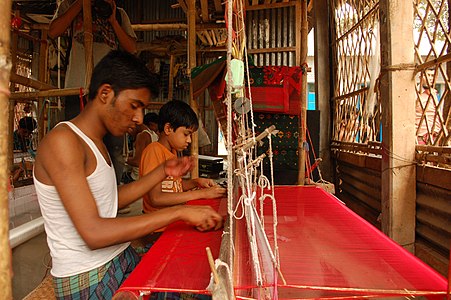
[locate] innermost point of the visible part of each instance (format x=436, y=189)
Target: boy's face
x=180, y=138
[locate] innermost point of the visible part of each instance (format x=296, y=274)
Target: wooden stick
x=43, y=94
x=36, y=84
x=88, y=41
x=211, y=261
x=5, y=71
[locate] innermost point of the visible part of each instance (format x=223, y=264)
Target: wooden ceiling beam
x=204, y=9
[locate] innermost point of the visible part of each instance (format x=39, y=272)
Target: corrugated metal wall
x=433, y=217
x=358, y=184
x=271, y=28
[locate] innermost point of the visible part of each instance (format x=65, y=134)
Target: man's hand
x=213, y=192
x=178, y=167
x=202, y=217
x=112, y=18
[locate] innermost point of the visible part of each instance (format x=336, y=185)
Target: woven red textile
x=178, y=260
x=326, y=250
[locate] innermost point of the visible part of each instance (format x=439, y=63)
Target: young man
x=176, y=122
x=77, y=192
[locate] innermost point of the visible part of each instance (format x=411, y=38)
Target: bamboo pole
x=303, y=96
x=43, y=65
x=11, y=106
x=191, y=64
x=5, y=70
x=29, y=82
x=87, y=25
x=47, y=93
x=171, y=78
x=159, y=27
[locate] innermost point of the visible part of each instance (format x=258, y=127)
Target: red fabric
x=178, y=260
x=276, y=89
x=325, y=247
x=326, y=250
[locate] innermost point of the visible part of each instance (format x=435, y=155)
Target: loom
x=326, y=251
x=279, y=242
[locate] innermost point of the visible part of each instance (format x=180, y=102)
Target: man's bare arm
x=59, y=25
x=62, y=158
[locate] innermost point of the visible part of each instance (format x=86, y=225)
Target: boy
x=77, y=193
x=177, y=121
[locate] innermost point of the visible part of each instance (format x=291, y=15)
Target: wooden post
x=171, y=78
x=447, y=103
x=301, y=12
x=191, y=64
x=398, y=122
x=322, y=83
x=87, y=25
x=12, y=104
x=5, y=70
x=42, y=75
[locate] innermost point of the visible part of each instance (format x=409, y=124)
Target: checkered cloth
x=100, y=283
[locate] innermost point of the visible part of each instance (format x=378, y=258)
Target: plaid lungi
x=100, y=283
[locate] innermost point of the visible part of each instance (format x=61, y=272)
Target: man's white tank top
x=70, y=254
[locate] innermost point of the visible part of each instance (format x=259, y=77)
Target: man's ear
x=167, y=128
x=104, y=92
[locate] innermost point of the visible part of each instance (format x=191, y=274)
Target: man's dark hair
x=150, y=118
x=177, y=113
x=28, y=123
x=122, y=71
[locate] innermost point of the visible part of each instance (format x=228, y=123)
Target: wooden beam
x=303, y=97
x=270, y=6
x=322, y=84
x=42, y=76
x=204, y=9
x=5, y=71
x=174, y=26
x=192, y=64
x=43, y=94
x=30, y=82
x=271, y=50
x=88, y=41
x=171, y=77
x=183, y=5
x=12, y=87
x=218, y=6
x=159, y=27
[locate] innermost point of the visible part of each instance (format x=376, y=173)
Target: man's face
x=427, y=79
x=126, y=110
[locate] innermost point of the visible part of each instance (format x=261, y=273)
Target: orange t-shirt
x=154, y=155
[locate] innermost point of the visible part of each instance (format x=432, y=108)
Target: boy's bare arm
x=131, y=192
x=61, y=160
x=159, y=199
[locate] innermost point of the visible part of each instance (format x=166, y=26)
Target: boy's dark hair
x=28, y=123
x=150, y=118
x=177, y=113
x=122, y=71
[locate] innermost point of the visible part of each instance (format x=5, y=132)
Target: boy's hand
x=178, y=167
x=204, y=182
x=202, y=217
